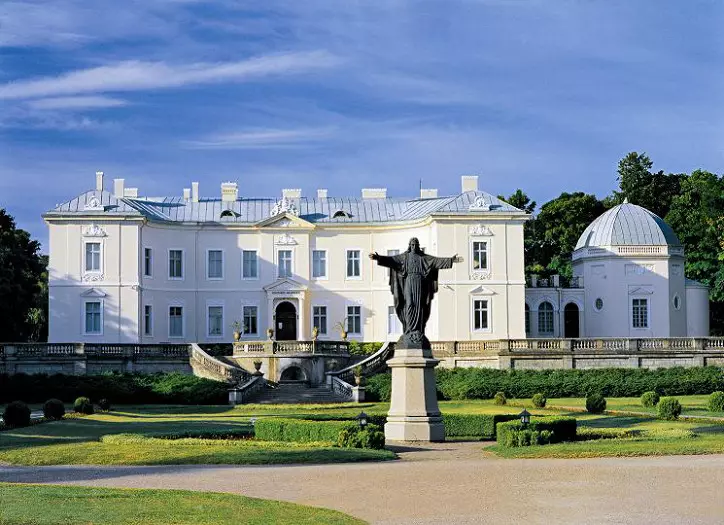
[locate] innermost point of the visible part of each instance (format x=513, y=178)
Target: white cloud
x=261, y=138
x=72, y=103
x=138, y=75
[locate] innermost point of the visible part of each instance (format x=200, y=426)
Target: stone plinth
x=414, y=413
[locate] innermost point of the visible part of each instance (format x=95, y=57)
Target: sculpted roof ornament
x=93, y=204
x=479, y=204
x=284, y=206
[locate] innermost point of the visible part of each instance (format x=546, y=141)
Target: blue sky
x=546, y=96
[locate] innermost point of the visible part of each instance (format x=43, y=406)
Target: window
x=93, y=317
x=393, y=322
x=676, y=301
x=527, y=318
x=251, y=317
x=215, y=264
x=480, y=255
x=598, y=305
x=175, y=321
x=353, y=263
x=175, y=264
x=480, y=314
x=284, y=263
x=147, y=262
x=354, y=319
x=640, y=313
x=147, y=320
x=216, y=321
x=319, y=319
x=545, y=318
x=92, y=257
x=319, y=264
x=249, y=267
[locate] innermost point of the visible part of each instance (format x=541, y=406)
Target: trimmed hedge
x=300, y=430
x=715, y=403
x=500, y=398
x=16, y=415
x=539, y=431
x=171, y=388
x=595, y=403
x=650, y=399
x=54, y=409
x=474, y=425
x=539, y=400
x=378, y=387
x=83, y=405
x=668, y=408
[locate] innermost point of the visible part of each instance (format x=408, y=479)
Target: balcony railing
x=291, y=347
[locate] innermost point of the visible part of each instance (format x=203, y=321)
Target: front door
x=571, y=321
x=286, y=322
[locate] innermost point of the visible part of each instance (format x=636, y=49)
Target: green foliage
x=595, y=403
x=540, y=431
x=653, y=191
x=16, y=415
x=378, y=387
x=593, y=433
x=122, y=388
x=104, y=404
x=539, y=400
x=715, y=403
x=371, y=437
x=474, y=425
x=301, y=431
x=500, y=398
x=668, y=408
x=83, y=405
x=357, y=348
x=649, y=399
x=54, y=409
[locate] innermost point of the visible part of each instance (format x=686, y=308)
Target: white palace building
x=131, y=269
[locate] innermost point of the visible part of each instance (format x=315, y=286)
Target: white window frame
x=648, y=313
x=99, y=270
x=489, y=308
x=553, y=314
x=256, y=265
x=148, y=326
x=487, y=243
x=361, y=319
x=148, y=270
x=208, y=266
x=346, y=265
x=183, y=320
x=84, y=325
x=392, y=314
x=258, y=319
x=209, y=306
x=326, y=318
x=183, y=264
x=326, y=267
x=291, y=263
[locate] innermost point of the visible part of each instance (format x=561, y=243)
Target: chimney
x=187, y=194
x=99, y=181
x=322, y=194
x=470, y=183
x=118, y=187
x=288, y=193
x=428, y=193
x=131, y=193
x=374, y=193
x=229, y=191
x=194, y=192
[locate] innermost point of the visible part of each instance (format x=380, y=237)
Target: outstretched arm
x=442, y=263
x=388, y=261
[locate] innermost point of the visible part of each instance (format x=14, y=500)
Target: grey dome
x=628, y=225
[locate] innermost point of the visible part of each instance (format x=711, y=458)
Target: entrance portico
x=286, y=306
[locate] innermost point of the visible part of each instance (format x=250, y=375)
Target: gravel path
x=451, y=483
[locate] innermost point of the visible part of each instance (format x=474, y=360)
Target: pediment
x=481, y=290
x=285, y=220
x=94, y=292
x=285, y=286
x=640, y=290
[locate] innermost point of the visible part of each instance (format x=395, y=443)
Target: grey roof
x=691, y=283
x=251, y=210
x=628, y=225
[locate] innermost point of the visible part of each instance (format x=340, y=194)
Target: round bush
x=104, y=405
x=17, y=414
x=539, y=400
x=669, y=408
x=716, y=401
x=595, y=403
x=650, y=399
x=500, y=398
x=83, y=405
x=54, y=409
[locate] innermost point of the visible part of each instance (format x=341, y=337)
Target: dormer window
x=341, y=213
x=229, y=213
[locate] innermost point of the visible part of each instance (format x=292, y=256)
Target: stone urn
x=257, y=367
x=237, y=336
x=315, y=333
x=343, y=335
x=270, y=333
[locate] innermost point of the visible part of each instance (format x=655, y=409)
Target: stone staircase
x=294, y=393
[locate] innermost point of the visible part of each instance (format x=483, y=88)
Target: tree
x=653, y=191
x=22, y=274
x=520, y=200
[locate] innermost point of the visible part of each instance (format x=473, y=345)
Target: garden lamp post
x=524, y=417
x=362, y=419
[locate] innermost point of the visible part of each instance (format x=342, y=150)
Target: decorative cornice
x=94, y=231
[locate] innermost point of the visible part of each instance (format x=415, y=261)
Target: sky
x=540, y=95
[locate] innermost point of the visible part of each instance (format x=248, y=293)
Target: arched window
x=545, y=318
x=527, y=318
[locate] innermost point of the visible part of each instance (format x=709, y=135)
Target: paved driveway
x=451, y=483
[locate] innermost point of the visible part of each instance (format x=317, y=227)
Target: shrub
x=473, y=425
x=716, y=401
x=104, y=405
x=83, y=405
x=500, y=398
x=299, y=430
x=365, y=349
x=539, y=400
x=54, y=409
x=540, y=431
x=370, y=437
x=595, y=403
x=378, y=387
x=16, y=415
x=669, y=408
x=650, y=399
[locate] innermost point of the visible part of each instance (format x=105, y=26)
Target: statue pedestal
x=414, y=413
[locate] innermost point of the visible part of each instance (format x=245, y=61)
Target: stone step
x=296, y=393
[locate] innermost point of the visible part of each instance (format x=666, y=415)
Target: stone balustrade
x=242, y=348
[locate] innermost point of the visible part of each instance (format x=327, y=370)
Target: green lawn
x=51, y=504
